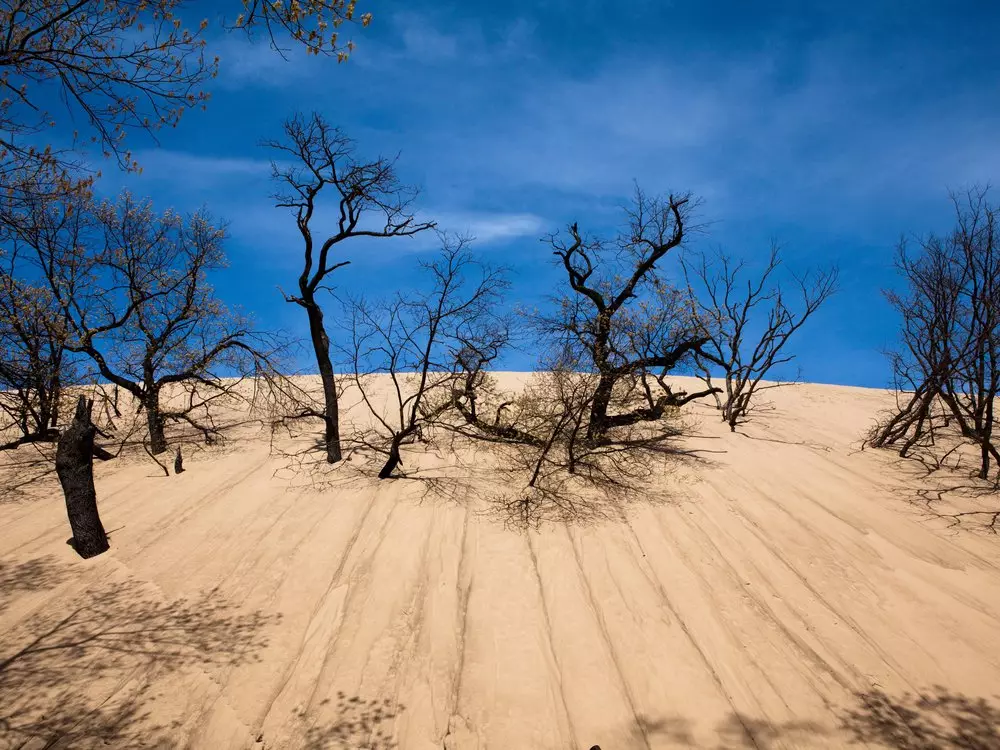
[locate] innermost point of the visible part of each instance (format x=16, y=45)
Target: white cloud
x=254, y=62
x=488, y=228
x=428, y=39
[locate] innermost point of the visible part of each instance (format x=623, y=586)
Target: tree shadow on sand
x=40, y=574
x=931, y=720
x=360, y=725
x=27, y=473
x=88, y=669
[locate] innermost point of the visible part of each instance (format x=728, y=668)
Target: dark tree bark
x=392, y=462
x=323, y=157
x=621, y=320
x=154, y=420
x=75, y=468
x=331, y=412
x=950, y=334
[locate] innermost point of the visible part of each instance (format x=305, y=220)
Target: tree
x=313, y=24
x=117, y=64
x=746, y=347
x=949, y=362
x=419, y=339
x=133, y=290
x=33, y=356
x=599, y=414
x=122, y=65
x=619, y=319
x=364, y=192
x=75, y=468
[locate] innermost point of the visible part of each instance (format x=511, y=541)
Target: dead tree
x=747, y=324
x=620, y=319
x=132, y=290
x=599, y=415
x=417, y=340
x=950, y=354
x=75, y=468
x=361, y=192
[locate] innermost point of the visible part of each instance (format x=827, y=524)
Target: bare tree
x=600, y=414
x=369, y=201
x=747, y=323
x=133, y=292
x=418, y=340
x=950, y=355
x=619, y=318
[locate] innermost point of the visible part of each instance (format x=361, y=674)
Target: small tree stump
x=178, y=462
x=75, y=468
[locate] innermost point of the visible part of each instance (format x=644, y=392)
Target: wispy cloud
x=489, y=228
x=254, y=63
x=430, y=38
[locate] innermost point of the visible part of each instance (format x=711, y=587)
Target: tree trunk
x=597, y=424
x=331, y=415
x=984, y=468
x=75, y=468
x=55, y=396
x=157, y=438
x=394, y=460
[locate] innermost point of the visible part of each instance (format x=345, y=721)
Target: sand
x=785, y=593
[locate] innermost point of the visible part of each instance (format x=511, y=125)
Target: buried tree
x=75, y=468
x=619, y=319
x=948, y=364
x=421, y=340
x=747, y=323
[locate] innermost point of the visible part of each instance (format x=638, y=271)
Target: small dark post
x=75, y=468
x=178, y=462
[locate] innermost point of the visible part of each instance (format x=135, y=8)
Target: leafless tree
x=950, y=336
x=368, y=200
x=599, y=414
x=133, y=292
x=418, y=340
x=619, y=318
x=747, y=323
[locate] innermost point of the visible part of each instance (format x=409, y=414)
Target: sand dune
x=783, y=594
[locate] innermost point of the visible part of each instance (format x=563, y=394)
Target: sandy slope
x=787, y=596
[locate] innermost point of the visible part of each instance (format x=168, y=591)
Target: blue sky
x=831, y=127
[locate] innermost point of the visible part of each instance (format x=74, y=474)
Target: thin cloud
x=489, y=228
x=431, y=39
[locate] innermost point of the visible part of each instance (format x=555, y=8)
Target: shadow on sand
x=87, y=667
x=935, y=719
